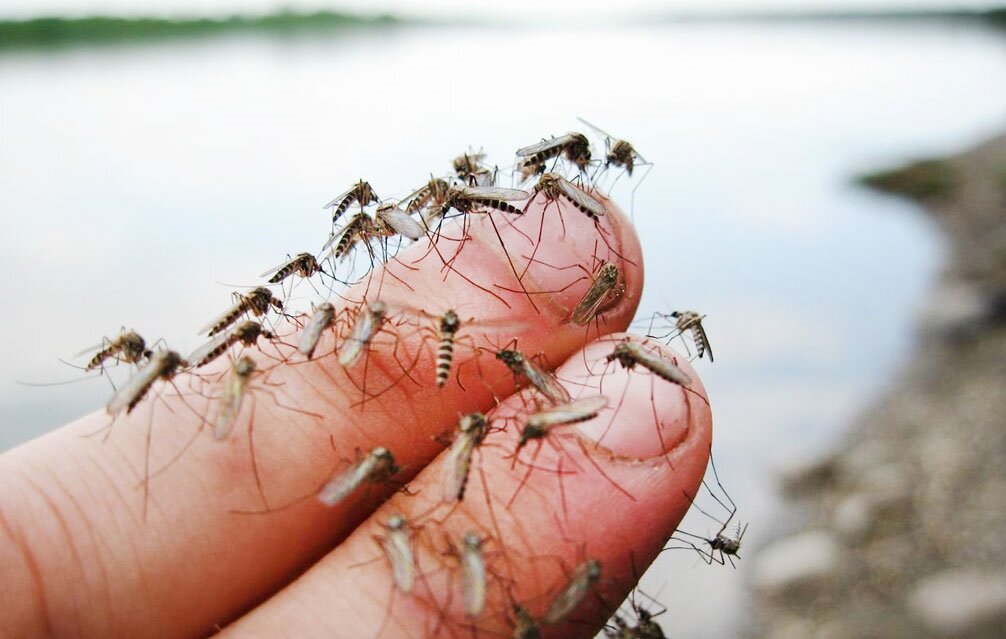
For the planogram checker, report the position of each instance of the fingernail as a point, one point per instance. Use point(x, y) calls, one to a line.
point(560, 267)
point(647, 416)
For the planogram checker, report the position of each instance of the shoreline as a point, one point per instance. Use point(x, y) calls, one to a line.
point(901, 529)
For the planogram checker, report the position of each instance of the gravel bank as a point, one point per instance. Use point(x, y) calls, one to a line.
point(904, 528)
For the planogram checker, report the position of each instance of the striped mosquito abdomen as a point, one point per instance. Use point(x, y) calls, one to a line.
point(499, 205)
point(449, 325)
point(128, 347)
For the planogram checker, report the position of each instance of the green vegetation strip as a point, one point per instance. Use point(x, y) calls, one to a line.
point(60, 31)
point(927, 180)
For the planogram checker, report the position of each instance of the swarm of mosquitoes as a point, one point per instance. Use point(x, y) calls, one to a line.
point(365, 225)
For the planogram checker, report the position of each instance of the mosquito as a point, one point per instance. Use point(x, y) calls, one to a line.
point(391, 220)
point(644, 628)
point(369, 319)
point(473, 574)
point(629, 354)
point(375, 467)
point(619, 152)
point(323, 318)
point(472, 429)
point(554, 186)
point(727, 545)
point(258, 301)
point(544, 383)
point(128, 347)
point(162, 365)
point(584, 577)
point(468, 199)
point(360, 226)
point(470, 169)
point(246, 332)
point(361, 192)
point(433, 194)
point(540, 424)
point(233, 397)
point(692, 321)
point(574, 146)
point(605, 287)
point(525, 626)
point(398, 548)
point(303, 264)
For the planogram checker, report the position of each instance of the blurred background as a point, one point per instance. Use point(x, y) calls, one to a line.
point(146, 165)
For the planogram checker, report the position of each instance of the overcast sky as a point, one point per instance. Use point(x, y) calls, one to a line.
point(583, 8)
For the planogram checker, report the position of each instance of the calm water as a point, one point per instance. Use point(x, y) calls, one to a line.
point(134, 181)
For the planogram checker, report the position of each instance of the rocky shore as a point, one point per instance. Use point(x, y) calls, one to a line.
point(903, 531)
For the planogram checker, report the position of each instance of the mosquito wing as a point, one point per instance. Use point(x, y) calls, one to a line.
point(227, 317)
point(659, 366)
point(459, 463)
point(230, 406)
point(598, 130)
point(493, 193)
point(400, 222)
point(219, 340)
point(321, 320)
point(347, 481)
point(403, 565)
point(571, 412)
point(338, 200)
point(581, 199)
point(282, 265)
point(545, 383)
point(545, 145)
point(138, 384)
point(363, 330)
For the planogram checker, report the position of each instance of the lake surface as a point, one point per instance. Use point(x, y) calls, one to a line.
point(135, 180)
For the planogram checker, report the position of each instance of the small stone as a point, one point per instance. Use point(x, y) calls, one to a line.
point(853, 517)
point(796, 562)
point(961, 603)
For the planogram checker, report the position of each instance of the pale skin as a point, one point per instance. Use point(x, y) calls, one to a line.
point(78, 557)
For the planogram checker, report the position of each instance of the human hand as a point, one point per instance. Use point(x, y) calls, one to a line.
point(86, 551)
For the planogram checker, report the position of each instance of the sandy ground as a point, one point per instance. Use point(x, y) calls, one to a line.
point(903, 531)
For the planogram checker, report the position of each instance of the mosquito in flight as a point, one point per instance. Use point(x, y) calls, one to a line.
point(361, 192)
point(369, 319)
point(246, 332)
point(162, 365)
point(554, 186)
point(629, 354)
point(128, 347)
point(258, 301)
point(375, 467)
point(605, 287)
point(574, 146)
